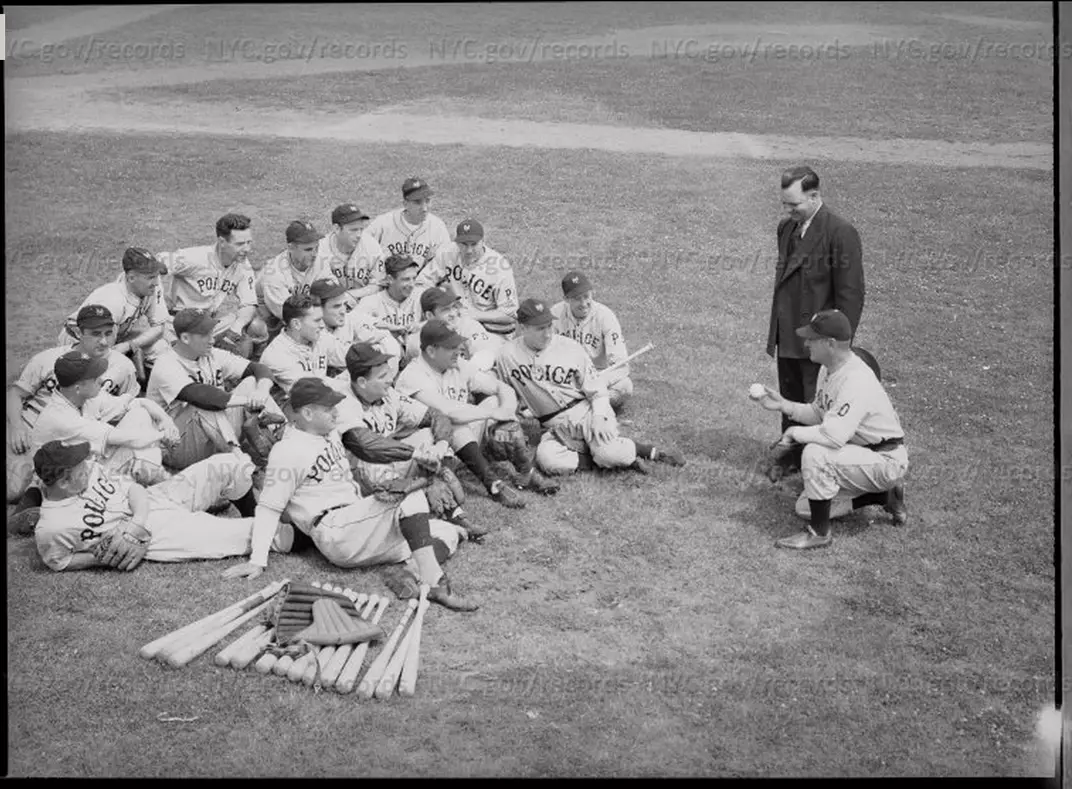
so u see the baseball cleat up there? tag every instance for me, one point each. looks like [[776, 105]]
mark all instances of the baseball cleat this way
[[641, 466], [671, 457], [441, 593], [537, 483], [895, 505], [23, 523], [473, 532], [504, 495], [805, 540]]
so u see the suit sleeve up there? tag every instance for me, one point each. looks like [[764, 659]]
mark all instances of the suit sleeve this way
[[847, 273]]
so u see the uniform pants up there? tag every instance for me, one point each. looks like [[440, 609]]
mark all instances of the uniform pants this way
[[620, 391], [852, 469], [559, 449]]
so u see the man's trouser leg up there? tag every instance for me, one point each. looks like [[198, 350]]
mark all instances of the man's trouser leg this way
[[796, 382]]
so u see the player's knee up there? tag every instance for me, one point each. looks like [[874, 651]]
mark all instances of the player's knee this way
[[813, 456], [413, 504], [554, 459]]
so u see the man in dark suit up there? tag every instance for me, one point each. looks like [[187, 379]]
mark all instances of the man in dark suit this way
[[820, 267]]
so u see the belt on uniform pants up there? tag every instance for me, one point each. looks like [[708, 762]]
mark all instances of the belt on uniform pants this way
[[886, 444], [320, 517]]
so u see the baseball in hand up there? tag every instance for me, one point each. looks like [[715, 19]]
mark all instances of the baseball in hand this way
[[756, 391]]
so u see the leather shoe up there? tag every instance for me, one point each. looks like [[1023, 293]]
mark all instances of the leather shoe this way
[[671, 457], [507, 497], [805, 540], [641, 466], [895, 505], [476, 533], [441, 593], [537, 483]]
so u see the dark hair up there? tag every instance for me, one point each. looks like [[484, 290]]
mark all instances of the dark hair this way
[[808, 178], [228, 222], [297, 306]]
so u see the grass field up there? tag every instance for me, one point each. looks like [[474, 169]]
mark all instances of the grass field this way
[[631, 626]]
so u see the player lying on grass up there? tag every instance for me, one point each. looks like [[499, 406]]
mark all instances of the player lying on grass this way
[[136, 303], [303, 348], [93, 518], [351, 255], [480, 275], [440, 379], [596, 328], [346, 327], [392, 438], [480, 345], [309, 478], [851, 435], [217, 399], [28, 396], [553, 376], [219, 279]]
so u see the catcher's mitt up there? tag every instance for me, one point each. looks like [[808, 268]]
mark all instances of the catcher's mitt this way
[[121, 550], [260, 432], [505, 440], [444, 493], [295, 619]]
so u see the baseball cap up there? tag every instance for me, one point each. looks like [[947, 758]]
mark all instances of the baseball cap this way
[[434, 298], [416, 188], [313, 391], [436, 332], [575, 284], [469, 230], [299, 232], [325, 289], [396, 264], [93, 316], [75, 366], [142, 261], [346, 213], [534, 312], [832, 324], [362, 357], [194, 321], [54, 458]]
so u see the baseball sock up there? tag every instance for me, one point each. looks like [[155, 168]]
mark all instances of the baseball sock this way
[[868, 498], [646, 451], [475, 461], [820, 516], [247, 505], [418, 535]]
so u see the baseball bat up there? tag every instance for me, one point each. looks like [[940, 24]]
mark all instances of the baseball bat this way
[[201, 642], [407, 683], [153, 648], [627, 359], [265, 663], [223, 657], [297, 668], [385, 688], [342, 654], [348, 676], [137, 356], [282, 666], [379, 665], [248, 653]]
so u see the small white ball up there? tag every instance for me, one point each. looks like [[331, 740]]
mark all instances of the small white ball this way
[[756, 391]]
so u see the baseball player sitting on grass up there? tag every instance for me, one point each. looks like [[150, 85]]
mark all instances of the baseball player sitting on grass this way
[[851, 435], [216, 398], [397, 308], [554, 377], [392, 438], [308, 478], [440, 379], [347, 327], [219, 279], [303, 348], [480, 275], [351, 255], [136, 303], [291, 272], [412, 231], [596, 328], [90, 518], [480, 345], [30, 394]]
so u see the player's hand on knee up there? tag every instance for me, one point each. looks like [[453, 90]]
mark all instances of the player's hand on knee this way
[[247, 570], [19, 438]]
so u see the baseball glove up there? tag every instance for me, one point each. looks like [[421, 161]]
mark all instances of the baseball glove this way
[[304, 612], [121, 549], [260, 432], [444, 493], [505, 439]]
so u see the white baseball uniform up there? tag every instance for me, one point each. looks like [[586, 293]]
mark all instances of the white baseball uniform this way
[[395, 413], [560, 386], [279, 280], [197, 279], [458, 383], [309, 478], [402, 316], [38, 380], [360, 268], [132, 315], [480, 347], [851, 409], [396, 236], [290, 360], [486, 285], [180, 528], [357, 327], [600, 334]]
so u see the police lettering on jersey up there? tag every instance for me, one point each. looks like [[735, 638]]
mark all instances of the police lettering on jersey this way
[[417, 251], [476, 285], [585, 338], [217, 377], [222, 284], [556, 374], [94, 504], [329, 464]]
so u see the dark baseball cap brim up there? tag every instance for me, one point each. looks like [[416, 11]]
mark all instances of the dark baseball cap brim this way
[[94, 322], [418, 193], [542, 319], [345, 217], [808, 333], [328, 292], [204, 325]]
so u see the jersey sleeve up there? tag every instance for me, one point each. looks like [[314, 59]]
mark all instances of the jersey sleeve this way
[[70, 427], [613, 340], [506, 291], [284, 368], [230, 365], [167, 379], [410, 412], [36, 372], [480, 381], [274, 288], [157, 313], [590, 383], [846, 410], [412, 380], [283, 475], [126, 377], [246, 289], [58, 535]]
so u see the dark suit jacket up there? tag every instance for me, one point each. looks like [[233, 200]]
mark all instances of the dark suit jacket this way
[[825, 271]]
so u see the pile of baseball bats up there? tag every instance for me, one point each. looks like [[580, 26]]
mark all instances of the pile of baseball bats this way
[[330, 667]]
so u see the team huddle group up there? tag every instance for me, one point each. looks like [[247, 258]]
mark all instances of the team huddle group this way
[[335, 389]]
